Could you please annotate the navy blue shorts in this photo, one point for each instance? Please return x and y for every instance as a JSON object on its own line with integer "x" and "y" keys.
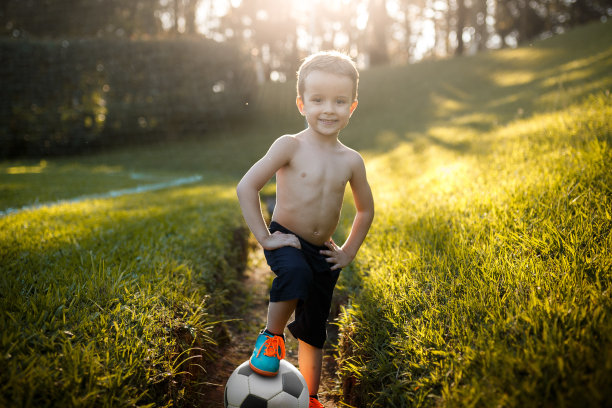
{"x": 303, "y": 274}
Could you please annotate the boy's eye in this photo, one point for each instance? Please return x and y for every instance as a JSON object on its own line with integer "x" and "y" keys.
{"x": 340, "y": 101}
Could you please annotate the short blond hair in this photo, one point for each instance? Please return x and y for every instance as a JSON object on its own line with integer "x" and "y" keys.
{"x": 332, "y": 62}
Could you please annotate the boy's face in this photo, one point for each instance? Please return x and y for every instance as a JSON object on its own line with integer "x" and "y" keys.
{"x": 327, "y": 102}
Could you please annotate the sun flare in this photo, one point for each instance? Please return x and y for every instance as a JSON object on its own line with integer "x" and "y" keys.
{"x": 307, "y": 17}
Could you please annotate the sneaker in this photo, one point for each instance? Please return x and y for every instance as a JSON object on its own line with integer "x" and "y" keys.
{"x": 269, "y": 351}
{"x": 315, "y": 403}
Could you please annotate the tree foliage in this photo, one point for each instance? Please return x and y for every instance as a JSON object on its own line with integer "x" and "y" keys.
{"x": 69, "y": 96}
{"x": 278, "y": 33}
{"x": 99, "y": 72}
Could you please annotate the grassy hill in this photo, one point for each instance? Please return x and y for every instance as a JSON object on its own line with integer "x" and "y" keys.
{"x": 485, "y": 280}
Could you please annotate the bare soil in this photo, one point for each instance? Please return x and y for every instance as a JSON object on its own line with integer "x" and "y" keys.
{"x": 248, "y": 320}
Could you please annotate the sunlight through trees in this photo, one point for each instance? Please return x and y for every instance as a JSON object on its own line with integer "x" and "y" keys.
{"x": 277, "y": 33}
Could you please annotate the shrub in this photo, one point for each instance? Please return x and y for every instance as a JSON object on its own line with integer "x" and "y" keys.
{"x": 67, "y": 96}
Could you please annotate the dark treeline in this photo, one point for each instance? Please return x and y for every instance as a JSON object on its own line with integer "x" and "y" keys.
{"x": 277, "y": 32}
{"x": 83, "y": 74}
{"x": 66, "y": 97}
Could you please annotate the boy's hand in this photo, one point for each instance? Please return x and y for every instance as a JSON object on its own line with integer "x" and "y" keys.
{"x": 279, "y": 240}
{"x": 337, "y": 256}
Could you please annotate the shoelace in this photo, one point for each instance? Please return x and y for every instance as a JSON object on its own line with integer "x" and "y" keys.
{"x": 314, "y": 403}
{"x": 272, "y": 345}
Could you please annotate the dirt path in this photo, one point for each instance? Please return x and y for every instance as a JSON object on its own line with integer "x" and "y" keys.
{"x": 250, "y": 318}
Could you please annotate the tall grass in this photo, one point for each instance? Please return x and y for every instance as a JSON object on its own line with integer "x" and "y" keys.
{"x": 116, "y": 302}
{"x": 486, "y": 278}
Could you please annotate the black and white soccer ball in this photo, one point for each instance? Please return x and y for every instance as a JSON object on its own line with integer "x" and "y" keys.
{"x": 247, "y": 389}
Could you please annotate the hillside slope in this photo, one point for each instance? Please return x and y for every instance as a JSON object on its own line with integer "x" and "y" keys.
{"x": 485, "y": 280}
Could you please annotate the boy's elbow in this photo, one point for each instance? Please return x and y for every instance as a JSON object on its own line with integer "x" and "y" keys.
{"x": 240, "y": 187}
{"x": 368, "y": 208}
{"x": 371, "y": 215}
{"x": 367, "y": 214}
{"x": 243, "y": 188}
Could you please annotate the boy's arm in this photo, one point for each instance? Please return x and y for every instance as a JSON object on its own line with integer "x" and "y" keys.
{"x": 364, "y": 204}
{"x": 253, "y": 181}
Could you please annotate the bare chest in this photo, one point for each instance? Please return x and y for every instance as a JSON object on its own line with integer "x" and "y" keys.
{"x": 317, "y": 170}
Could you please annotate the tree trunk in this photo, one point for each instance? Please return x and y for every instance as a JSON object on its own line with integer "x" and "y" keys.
{"x": 190, "y": 16}
{"x": 176, "y": 16}
{"x": 461, "y": 14}
{"x": 378, "y": 33}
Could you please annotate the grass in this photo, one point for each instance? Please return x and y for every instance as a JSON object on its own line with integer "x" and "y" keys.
{"x": 485, "y": 280}
{"x": 28, "y": 183}
{"x": 108, "y": 302}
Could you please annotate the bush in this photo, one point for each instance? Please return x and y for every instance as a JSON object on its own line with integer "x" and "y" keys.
{"x": 66, "y": 96}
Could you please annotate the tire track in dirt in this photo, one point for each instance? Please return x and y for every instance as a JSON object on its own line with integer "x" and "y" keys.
{"x": 244, "y": 326}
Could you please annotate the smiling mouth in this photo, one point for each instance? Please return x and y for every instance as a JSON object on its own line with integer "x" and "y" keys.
{"x": 327, "y": 121}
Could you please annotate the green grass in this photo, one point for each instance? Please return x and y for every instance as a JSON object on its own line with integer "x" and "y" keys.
{"x": 32, "y": 182}
{"x": 108, "y": 302}
{"x": 485, "y": 280}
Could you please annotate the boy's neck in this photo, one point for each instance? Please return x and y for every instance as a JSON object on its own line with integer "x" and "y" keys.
{"x": 320, "y": 138}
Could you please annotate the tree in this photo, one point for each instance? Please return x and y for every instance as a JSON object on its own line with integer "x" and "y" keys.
{"x": 461, "y": 17}
{"x": 267, "y": 29}
{"x": 82, "y": 18}
{"x": 274, "y": 30}
{"x": 377, "y": 32}
{"x": 479, "y": 16}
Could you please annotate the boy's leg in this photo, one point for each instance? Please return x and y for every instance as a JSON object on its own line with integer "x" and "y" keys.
{"x": 270, "y": 345}
{"x": 279, "y": 314}
{"x": 310, "y": 360}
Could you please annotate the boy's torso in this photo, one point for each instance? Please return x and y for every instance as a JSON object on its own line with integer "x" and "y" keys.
{"x": 310, "y": 189}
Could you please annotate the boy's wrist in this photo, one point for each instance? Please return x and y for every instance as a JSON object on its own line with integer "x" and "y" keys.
{"x": 262, "y": 238}
{"x": 352, "y": 254}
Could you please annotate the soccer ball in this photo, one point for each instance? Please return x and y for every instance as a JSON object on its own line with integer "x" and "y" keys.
{"x": 247, "y": 389}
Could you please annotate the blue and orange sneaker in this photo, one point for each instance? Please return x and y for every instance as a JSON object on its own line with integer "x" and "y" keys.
{"x": 269, "y": 351}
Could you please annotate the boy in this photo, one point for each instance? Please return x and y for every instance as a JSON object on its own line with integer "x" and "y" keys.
{"x": 312, "y": 169}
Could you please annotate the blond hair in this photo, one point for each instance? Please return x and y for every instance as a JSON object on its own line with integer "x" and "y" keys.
{"x": 332, "y": 62}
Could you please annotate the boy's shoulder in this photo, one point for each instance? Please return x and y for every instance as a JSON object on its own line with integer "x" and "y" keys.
{"x": 287, "y": 143}
{"x": 292, "y": 142}
{"x": 287, "y": 140}
{"x": 352, "y": 154}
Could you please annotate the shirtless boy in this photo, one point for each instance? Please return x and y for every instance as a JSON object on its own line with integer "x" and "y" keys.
{"x": 312, "y": 169}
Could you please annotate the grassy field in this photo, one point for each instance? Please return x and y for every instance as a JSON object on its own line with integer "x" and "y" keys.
{"x": 109, "y": 302}
{"x": 485, "y": 280}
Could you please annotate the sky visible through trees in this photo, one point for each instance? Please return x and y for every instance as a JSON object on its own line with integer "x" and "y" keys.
{"x": 277, "y": 33}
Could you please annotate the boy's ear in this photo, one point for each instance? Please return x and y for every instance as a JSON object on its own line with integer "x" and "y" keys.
{"x": 354, "y": 105}
{"x": 300, "y": 105}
